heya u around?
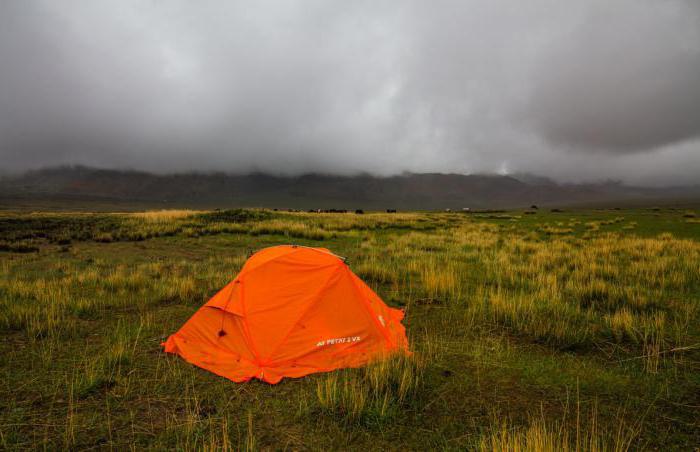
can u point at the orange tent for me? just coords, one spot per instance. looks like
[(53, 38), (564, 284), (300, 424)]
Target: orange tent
[(291, 311)]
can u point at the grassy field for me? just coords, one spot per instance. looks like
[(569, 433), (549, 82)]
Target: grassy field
[(532, 330)]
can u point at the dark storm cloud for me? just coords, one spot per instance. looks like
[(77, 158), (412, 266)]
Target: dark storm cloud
[(623, 84), (573, 90)]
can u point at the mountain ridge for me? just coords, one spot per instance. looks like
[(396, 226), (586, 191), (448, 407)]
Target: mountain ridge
[(408, 191)]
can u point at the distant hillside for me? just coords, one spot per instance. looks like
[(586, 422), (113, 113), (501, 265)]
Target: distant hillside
[(311, 191)]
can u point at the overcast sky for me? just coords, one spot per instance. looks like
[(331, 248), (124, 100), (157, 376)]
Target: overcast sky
[(574, 90)]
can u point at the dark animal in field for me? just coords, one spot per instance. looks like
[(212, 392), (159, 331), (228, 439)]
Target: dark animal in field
[(534, 207), (556, 210), (359, 211), (390, 210)]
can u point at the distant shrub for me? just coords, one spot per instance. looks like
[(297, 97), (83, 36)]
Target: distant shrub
[(235, 215), (499, 217), (104, 237), (555, 231), (290, 229), (18, 247)]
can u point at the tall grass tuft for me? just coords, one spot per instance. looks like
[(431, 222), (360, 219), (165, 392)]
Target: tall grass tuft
[(371, 394), (542, 436)]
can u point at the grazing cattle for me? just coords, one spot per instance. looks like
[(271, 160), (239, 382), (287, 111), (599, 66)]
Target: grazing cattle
[(359, 211), (533, 207), (390, 210), (448, 210)]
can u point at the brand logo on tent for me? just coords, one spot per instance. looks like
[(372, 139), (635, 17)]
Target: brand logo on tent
[(339, 340)]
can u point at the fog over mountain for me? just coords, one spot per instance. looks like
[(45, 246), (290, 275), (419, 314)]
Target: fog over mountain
[(574, 91)]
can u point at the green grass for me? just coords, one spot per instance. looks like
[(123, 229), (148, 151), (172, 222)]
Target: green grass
[(545, 331)]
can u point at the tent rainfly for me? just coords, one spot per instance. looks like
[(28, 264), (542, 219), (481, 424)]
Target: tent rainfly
[(290, 312)]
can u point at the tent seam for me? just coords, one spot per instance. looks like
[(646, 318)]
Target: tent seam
[(254, 349), (372, 313)]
